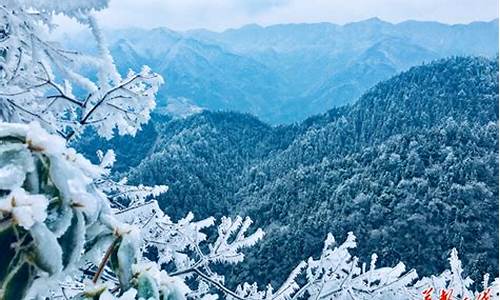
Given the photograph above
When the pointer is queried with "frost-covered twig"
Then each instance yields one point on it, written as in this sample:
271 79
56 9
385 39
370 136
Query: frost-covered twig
37 76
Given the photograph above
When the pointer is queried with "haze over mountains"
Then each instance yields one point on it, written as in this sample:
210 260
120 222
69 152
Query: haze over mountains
285 73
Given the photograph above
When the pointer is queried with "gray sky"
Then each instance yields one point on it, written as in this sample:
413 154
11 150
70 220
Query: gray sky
222 14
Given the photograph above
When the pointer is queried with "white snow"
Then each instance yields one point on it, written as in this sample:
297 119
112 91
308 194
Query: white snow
26 209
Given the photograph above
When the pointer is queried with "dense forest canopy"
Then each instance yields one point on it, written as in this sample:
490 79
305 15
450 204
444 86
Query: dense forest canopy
411 168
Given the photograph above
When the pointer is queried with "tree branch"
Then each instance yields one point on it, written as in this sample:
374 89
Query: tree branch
105 260
217 284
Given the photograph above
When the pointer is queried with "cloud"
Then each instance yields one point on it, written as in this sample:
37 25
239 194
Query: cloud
223 14
258 6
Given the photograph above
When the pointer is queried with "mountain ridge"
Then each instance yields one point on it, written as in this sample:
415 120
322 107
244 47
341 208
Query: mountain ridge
368 20
286 73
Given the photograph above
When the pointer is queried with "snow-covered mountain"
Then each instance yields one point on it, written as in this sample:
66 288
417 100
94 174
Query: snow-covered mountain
285 73
411 168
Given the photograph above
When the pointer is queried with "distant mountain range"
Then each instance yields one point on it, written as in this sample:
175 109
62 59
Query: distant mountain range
285 73
411 168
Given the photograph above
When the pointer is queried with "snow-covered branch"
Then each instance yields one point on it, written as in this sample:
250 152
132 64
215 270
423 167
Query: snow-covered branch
37 76
338 275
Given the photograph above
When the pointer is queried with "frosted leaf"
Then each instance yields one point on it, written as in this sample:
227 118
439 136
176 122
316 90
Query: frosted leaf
26 209
59 219
49 253
73 240
85 201
170 287
15 162
12 129
128 295
209 297
39 140
173 287
106 160
126 255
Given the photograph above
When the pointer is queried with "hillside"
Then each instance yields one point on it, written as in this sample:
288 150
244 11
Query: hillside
411 168
286 73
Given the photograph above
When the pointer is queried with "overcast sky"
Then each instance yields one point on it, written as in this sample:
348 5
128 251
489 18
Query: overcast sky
222 14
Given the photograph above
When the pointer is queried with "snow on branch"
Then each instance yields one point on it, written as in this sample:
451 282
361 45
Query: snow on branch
185 244
37 76
60 236
338 275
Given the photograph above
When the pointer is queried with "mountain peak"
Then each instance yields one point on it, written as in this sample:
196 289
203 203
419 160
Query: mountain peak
246 28
374 21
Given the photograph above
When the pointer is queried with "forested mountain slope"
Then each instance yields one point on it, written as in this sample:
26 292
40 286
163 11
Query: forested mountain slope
411 168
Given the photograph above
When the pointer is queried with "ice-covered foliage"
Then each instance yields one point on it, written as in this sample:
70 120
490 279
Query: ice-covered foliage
185 247
51 212
336 274
60 235
41 81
